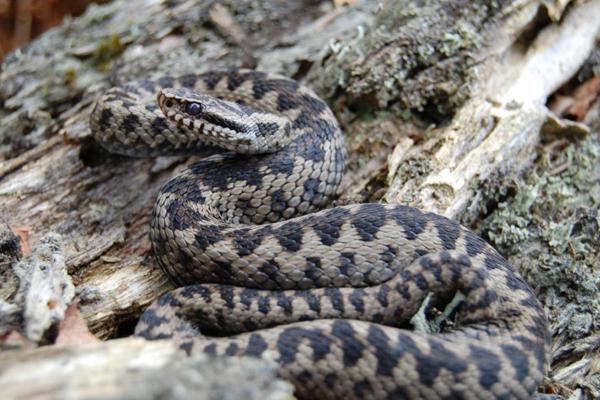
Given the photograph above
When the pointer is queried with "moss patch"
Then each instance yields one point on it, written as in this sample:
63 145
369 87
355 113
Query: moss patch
549 230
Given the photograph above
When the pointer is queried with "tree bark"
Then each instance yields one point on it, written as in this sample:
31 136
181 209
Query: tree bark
444 107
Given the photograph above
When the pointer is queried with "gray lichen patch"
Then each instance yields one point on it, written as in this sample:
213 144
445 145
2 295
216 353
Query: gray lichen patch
550 231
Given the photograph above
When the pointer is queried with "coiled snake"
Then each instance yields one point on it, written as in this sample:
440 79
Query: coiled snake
323 293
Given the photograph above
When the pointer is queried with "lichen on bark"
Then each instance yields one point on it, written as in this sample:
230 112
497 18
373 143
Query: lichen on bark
420 56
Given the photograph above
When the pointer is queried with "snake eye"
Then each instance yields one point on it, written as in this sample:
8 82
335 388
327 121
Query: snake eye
193 109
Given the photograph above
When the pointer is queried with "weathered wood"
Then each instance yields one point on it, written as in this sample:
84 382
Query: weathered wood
134 369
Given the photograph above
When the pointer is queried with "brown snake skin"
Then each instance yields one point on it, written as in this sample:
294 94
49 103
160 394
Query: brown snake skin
325 294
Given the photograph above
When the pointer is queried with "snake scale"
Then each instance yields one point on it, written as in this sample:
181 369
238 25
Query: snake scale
268 272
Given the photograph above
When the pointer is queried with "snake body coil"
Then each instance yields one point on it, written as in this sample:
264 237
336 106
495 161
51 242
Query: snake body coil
323 293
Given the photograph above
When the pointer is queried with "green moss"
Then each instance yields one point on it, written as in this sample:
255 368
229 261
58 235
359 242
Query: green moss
107 50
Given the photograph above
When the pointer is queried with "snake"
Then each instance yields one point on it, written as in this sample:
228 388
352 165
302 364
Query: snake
265 269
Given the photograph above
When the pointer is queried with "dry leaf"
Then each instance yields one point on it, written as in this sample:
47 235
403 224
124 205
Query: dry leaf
575 105
584 97
73 329
23 232
15 340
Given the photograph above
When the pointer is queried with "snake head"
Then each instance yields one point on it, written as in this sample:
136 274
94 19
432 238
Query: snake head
218 122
